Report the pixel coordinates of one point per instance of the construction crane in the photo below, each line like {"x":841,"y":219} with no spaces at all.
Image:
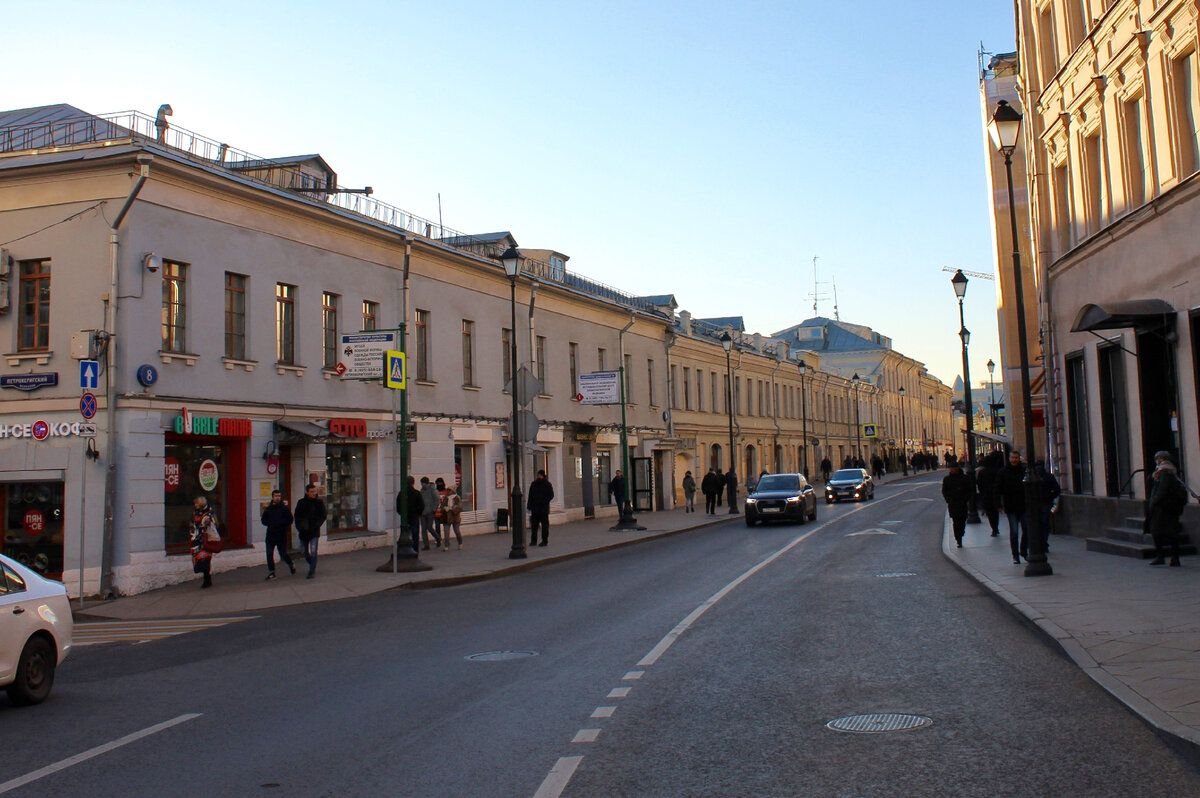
{"x":980,"y":275}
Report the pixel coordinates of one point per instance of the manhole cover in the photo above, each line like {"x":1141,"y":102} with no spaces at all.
{"x":500,"y":656}
{"x":895,"y":574}
{"x":869,"y":724}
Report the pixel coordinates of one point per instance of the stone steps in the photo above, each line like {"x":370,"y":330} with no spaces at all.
{"x":1128,"y":540}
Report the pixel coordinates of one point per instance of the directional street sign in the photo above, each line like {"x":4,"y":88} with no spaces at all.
{"x":87,"y":405}
{"x":394,"y":371}
{"x":89,"y":374}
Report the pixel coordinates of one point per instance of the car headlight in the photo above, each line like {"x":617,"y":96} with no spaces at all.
{"x":793,"y":500}
{"x":751,"y":500}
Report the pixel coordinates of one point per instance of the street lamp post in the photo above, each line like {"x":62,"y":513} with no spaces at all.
{"x":903,"y":436}
{"x":991,"y":367}
{"x":1005,"y":128}
{"x":804,"y":412}
{"x":959,"y":281}
{"x":855,"y":380}
{"x":727,"y":345}
{"x":516,"y":519}
{"x":932,"y":429}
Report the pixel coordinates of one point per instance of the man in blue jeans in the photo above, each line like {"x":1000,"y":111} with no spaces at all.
{"x":310,"y":515}
{"x":1011,"y":490}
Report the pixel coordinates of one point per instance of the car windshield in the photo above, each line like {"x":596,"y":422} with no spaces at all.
{"x":779,"y":482}
{"x":847,"y":474}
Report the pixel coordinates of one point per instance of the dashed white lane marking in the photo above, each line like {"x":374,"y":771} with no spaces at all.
{"x":875,"y":531}
{"x":661,"y":647}
{"x":604,"y":712}
{"x":618,"y":692}
{"x":556,"y":780}
{"x":918,"y":500}
{"x":21,"y":781}
{"x":586,"y":736}
{"x":633,"y":676}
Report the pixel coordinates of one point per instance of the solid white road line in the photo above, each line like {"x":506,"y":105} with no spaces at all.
{"x":618,"y":692}
{"x":694,"y":615}
{"x":604,"y":712}
{"x":21,"y":781}
{"x":556,"y":780}
{"x":586,"y":736}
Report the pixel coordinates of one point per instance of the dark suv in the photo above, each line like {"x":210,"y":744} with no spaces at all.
{"x":852,"y":484}
{"x":781,"y":497}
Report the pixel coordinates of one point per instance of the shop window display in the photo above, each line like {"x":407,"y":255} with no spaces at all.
{"x":33,"y":526}
{"x":191,"y":470}
{"x":346,"y":495}
{"x":464,"y":476}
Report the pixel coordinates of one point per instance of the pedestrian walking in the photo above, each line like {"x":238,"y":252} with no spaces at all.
{"x":689,"y":493}
{"x":277,"y":518}
{"x":204,"y":539}
{"x":309,"y":516}
{"x":989,"y":486}
{"x":720,"y":486}
{"x":1012,"y":501}
{"x":541,"y":493}
{"x":731,"y":490}
{"x":429,"y":505}
{"x":826,"y":467}
{"x":616,"y":489}
{"x":1168,"y":497}
{"x":710,"y":487}
{"x":956,"y":490}
{"x":414,"y":509}
{"x":1050,"y":491}
{"x":439,"y":516}
{"x":451,"y":508}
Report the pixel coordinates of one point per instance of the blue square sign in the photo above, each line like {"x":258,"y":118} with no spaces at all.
{"x":89,"y":374}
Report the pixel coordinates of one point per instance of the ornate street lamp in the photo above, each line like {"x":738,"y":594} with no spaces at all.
{"x":803,"y":367}
{"x":1005,"y":129}
{"x":959,"y":281}
{"x":855,"y":380}
{"x":991,"y":367}
{"x":727,"y":345}
{"x":903,"y":436}
{"x":516,"y":518}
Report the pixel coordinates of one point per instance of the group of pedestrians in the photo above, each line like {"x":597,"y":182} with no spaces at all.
{"x":433,"y":511}
{"x":714,"y":485}
{"x":999,"y":487}
{"x":308,"y":518}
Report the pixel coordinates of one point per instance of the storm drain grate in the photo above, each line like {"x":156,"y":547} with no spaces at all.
{"x":895,"y":574}
{"x":886,"y":722}
{"x":500,"y":656}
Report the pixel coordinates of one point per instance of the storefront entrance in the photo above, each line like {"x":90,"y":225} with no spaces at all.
{"x":209,"y":466}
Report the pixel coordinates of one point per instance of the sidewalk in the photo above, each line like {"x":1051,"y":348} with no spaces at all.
{"x":1133,"y":628}
{"x":353,"y":573}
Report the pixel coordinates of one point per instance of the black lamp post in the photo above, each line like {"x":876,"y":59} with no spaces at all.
{"x":804,"y":412}
{"x":855,"y":380}
{"x":932,"y":429}
{"x":1005,"y":129}
{"x":727,"y":345}
{"x":959,"y":281}
{"x":903,"y":436}
{"x":512,"y":267}
{"x":991,"y":367}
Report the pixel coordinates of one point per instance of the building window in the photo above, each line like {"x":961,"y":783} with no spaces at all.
{"x":174,"y":307}
{"x":285,"y":324}
{"x":541,"y":361}
{"x":600,"y":358}
{"x":329,"y":329}
{"x":573,"y":365}
{"x":34,"y":323}
{"x":716,"y":396}
{"x":1047,"y":51}
{"x":464,"y":477}
{"x":1062,"y":209}
{"x":1187,"y":110}
{"x":1078,"y":430}
{"x":235,"y":316}
{"x":699,"y":390}
{"x":1135,"y":158}
{"x":506,"y":344}
{"x":687,"y":388}
{"x":650,"y":383}
{"x":418,"y":355}
{"x":370,"y":315}
{"x":346,"y":494}
{"x":468,"y":351}
{"x":1093,"y":196}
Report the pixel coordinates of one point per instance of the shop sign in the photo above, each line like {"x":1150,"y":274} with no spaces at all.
{"x":34,"y":523}
{"x":41,"y":430}
{"x":347,"y":428}
{"x":208,"y":475}
{"x":29,"y":382}
{"x":187,"y":424}
{"x":172,"y":474}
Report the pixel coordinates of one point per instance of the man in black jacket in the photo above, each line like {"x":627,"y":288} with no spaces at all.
{"x":710,"y":487}
{"x":956,"y":490}
{"x":1011,"y":491}
{"x":277,"y":518}
{"x":310,"y":515}
{"x":410,"y":512}
{"x":731,"y":490}
{"x":541,"y":493}
{"x":989,"y":482}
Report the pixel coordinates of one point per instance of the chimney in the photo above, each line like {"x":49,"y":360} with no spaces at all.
{"x":685,"y":322}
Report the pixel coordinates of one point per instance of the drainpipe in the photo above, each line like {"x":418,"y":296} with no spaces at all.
{"x":111,"y":387}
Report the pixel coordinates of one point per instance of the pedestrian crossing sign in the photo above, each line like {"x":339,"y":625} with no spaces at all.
{"x":394,"y":370}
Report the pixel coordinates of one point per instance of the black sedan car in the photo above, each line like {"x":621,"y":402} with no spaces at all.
{"x":851,"y":484}
{"x":781,"y":497}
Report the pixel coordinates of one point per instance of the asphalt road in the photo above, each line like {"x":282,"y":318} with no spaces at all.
{"x":704,"y":664}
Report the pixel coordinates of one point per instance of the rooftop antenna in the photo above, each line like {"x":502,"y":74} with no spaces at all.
{"x":440,"y":223}
{"x":836,"y":317}
{"x":814,"y":285}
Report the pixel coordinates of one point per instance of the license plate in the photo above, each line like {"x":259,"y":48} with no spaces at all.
{"x":768,"y":509}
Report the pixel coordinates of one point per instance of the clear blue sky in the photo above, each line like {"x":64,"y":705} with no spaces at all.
{"x":703,"y":149}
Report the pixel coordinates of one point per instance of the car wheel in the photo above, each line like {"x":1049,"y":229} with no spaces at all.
{"x":750,"y":521}
{"x":829,"y":501}
{"x":803,"y":517}
{"x":813,"y":515}
{"x":35,"y":673}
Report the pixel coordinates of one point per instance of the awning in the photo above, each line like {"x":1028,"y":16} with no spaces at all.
{"x":978,"y":433}
{"x":301,"y":429}
{"x":1137,"y":313}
